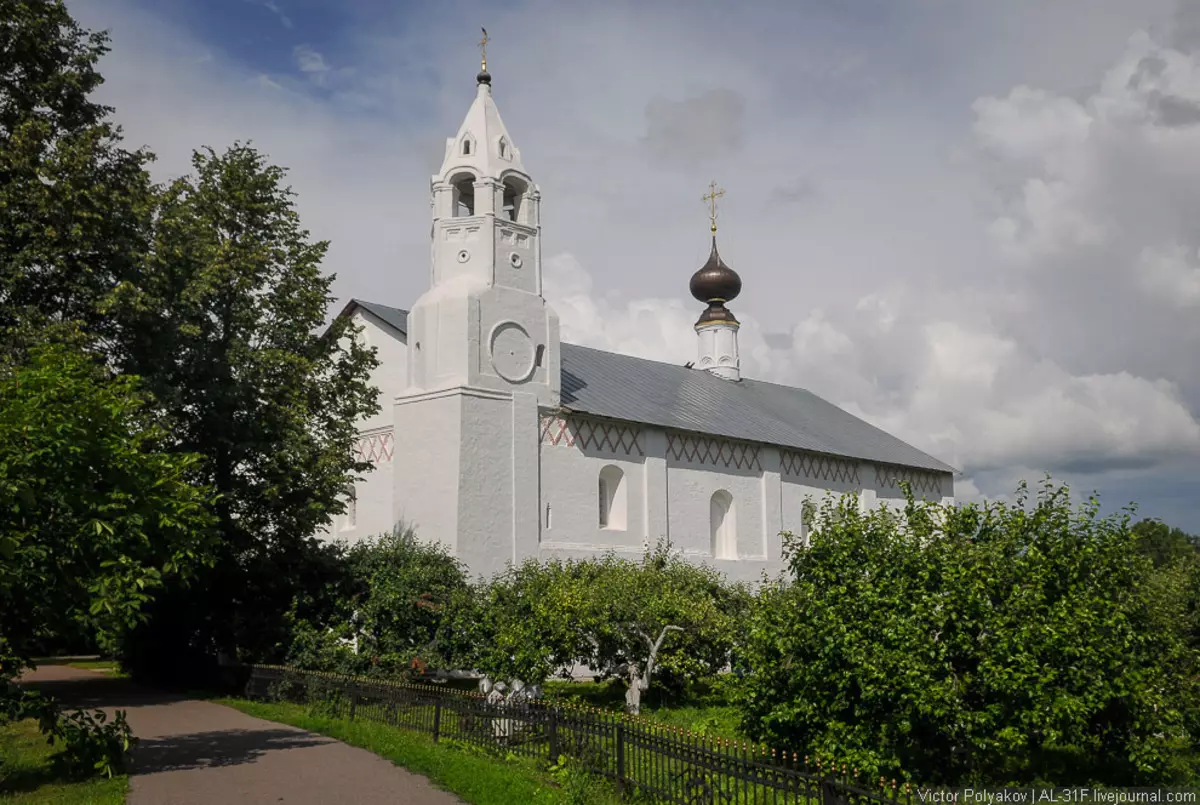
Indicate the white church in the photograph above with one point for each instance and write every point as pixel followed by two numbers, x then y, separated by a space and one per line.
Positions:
pixel 504 443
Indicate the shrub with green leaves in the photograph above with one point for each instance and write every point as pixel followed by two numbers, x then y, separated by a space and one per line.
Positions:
pixel 1004 643
pixel 397 591
pixel 605 612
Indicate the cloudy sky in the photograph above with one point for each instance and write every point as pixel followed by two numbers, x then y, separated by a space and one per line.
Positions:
pixel 976 225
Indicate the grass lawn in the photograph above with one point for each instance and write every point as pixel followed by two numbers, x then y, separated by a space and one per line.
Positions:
pixel 28 776
pixel 476 778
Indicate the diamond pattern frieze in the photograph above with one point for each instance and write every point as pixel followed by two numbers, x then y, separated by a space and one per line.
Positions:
pixel 712 450
pixel 592 434
pixel 820 467
pixel 375 447
pixel 921 481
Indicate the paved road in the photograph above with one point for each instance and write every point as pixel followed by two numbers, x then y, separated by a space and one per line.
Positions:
pixel 199 753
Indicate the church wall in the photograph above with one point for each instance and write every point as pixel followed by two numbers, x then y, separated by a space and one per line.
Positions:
pixel 429 434
pixel 574 451
pixel 697 468
pixel 815 477
pixel 391 376
pixel 490 476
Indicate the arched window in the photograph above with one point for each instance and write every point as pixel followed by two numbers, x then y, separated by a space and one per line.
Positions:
pixel 611 487
pixel 723 525
pixel 466 147
pixel 463 200
pixel 503 149
pixel 514 192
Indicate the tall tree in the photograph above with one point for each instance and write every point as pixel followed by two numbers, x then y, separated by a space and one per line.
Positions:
pixel 75 204
pixel 224 321
pixel 95 516
pixel 1164 544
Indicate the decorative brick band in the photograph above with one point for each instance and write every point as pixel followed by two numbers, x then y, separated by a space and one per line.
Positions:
pixel 375 447
pixel 713 450
pixel 592 434
pixel 820 467
pixel 921 481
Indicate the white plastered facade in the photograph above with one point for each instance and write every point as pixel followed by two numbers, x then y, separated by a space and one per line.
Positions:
pixel 472 449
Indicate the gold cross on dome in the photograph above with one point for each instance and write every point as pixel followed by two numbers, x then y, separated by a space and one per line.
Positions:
pixel 711 197
pixel 483 48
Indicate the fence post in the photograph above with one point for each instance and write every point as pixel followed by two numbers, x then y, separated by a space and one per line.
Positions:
pixel 437 719
pixel 353 703
pixel 552 732
pixel 620 758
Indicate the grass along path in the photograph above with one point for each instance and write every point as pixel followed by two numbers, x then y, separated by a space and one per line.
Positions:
pixel 462 770
pixel 28 775
pixel 106 667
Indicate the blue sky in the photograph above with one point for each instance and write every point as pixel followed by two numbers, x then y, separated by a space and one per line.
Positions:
pixel 969 223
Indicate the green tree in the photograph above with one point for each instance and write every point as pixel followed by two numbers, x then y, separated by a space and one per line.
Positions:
pixel 661 615
pixel 623 618
pixel 395 595
pixel 1163 543
pixel 1005 643
pixel 524 623
pixel 95 517
pixel 76 205
pixel 223 321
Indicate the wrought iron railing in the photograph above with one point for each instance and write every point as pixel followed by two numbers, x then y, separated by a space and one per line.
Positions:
pixel 666 763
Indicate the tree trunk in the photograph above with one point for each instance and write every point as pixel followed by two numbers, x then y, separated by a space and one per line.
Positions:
pixel 637 682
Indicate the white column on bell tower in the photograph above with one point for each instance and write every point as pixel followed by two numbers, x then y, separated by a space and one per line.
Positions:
pixel 716 284
pixel 483 355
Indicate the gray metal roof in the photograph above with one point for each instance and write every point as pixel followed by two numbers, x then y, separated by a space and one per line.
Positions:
pixel 616 386
pixel 637 390
pixel 393 316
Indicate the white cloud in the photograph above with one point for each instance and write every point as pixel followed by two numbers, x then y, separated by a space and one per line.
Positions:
pixel 1027 305
pixel 309 60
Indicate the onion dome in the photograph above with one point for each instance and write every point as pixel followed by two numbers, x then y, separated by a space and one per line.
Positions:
pixel 716 284
pixel 484 77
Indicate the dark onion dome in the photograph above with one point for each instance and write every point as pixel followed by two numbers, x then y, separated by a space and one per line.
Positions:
pixel 715 281
pixel 484 77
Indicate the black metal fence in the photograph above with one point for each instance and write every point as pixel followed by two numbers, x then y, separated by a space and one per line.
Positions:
pixel 659 762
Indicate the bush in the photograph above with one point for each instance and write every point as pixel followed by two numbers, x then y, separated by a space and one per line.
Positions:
pixel 606 612
pixel 1002 644
pixel 393 601
pixel 91 744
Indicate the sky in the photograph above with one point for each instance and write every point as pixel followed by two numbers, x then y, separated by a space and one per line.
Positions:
pixel 974 225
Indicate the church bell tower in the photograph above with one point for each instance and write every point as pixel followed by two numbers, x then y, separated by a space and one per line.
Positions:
pixel 483 353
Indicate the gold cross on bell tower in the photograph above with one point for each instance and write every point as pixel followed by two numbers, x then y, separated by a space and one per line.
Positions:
pixel 483 49
pixel 711 197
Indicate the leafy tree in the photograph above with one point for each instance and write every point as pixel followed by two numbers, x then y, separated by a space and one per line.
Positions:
pixel 396 593
pixel 95 518
pixel 403 589
pixel 1163 543
pixel 76 204
pixel 223 321
pixel 524 623
pixel 998 644
pixel 620 617
pixel 660 614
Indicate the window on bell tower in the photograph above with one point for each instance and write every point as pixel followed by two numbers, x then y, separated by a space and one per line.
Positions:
pixel 464 196
pixel 514 192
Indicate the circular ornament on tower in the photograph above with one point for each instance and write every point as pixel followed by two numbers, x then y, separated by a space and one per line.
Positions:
pixel 515 259
pixel 463 255
pixel 512 352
